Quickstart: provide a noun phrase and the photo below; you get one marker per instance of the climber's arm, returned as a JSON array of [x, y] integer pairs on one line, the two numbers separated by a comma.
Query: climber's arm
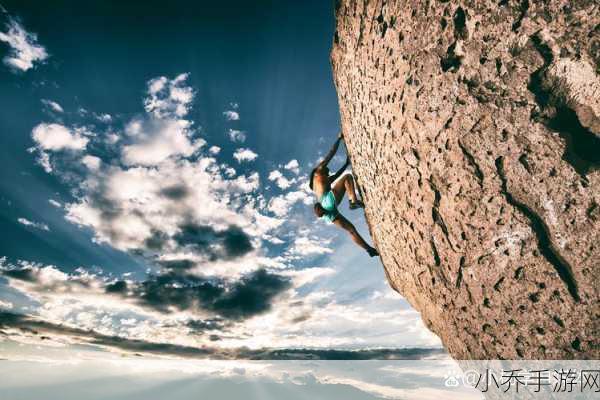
[[333, 177], [331, 153]]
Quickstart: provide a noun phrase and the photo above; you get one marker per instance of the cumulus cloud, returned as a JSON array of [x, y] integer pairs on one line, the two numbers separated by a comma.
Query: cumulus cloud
[[112, 138], [172, 291], [293, 166], [228, 243], [156, 210], [282, 204], [284, 182], [168, 199], [52, 137], [236, 135], [52, 105], [163, 133], [169, 97], [242, 299], [281, 181], [274, 175], [106, 118], [55, 137], [242, 155], [25, 50], [37, 225], [154, 141], [92, 162], [231, 115]]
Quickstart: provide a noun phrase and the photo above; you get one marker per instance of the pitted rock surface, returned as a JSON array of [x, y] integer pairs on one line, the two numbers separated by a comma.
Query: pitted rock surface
[[472, 127]]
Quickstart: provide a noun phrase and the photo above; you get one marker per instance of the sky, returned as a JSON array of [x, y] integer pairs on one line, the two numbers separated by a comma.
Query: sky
[[153, 188], [124, 378]]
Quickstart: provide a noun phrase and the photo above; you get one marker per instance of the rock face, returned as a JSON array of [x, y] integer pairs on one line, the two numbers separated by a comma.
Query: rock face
[[473, 130]]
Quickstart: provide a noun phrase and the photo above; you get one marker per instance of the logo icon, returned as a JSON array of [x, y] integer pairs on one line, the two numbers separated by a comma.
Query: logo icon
[[451, 379]]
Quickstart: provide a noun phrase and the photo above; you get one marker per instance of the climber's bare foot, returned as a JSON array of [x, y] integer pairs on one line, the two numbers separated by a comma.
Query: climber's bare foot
[[373, 252], [356, 204]]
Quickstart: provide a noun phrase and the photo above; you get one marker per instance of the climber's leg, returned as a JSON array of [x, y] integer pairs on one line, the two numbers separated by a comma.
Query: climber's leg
[[339, 189], [343, 223], [343, 185]]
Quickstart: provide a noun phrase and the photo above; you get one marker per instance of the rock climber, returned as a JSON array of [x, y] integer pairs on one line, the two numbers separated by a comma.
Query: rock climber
[[330, 191]]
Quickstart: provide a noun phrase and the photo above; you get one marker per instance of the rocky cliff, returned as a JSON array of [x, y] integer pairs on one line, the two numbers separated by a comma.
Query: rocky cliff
[[474, 131]]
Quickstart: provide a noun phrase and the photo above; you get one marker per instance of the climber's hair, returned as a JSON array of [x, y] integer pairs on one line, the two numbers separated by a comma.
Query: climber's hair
[[319, 210], [310, 181]]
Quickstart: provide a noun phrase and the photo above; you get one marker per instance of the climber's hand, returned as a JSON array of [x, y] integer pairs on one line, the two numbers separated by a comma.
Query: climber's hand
[[341, 135]]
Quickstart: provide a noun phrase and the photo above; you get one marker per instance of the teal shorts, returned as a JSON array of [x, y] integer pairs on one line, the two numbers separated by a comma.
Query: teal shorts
[[328, 203]]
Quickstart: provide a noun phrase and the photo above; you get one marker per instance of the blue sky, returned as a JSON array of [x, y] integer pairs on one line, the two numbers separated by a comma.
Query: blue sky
[[154, 175]]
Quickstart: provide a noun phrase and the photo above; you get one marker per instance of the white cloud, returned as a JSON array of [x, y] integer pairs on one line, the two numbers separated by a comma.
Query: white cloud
[[307, 246], [293, 166], [37, 225], [229, 171], [44, 160], [279, 206], [169, 98], [56, 137], [138, 193], [91, 162], [25, 50], [6, 305], [54, 106], [134, 127], [274, 175], [164, 133], [310, 275], [231, 115], [157, 84], [281, 181], [54, 203], [236, 135], [157, 140], [112, 138], [282, 204], [159, 185], [106, 118], [242, 155], [273, 239]]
